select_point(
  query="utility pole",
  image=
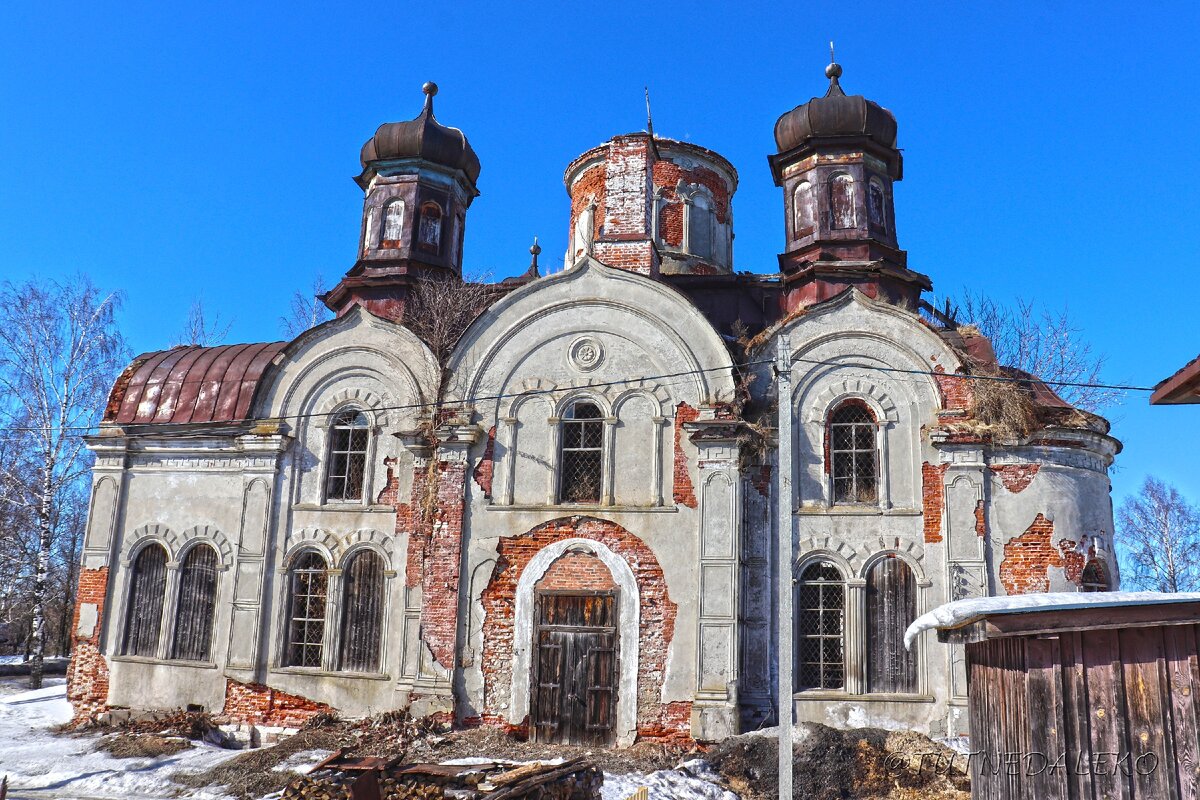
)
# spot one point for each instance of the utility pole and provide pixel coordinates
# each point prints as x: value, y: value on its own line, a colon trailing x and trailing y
x: 783, y: 400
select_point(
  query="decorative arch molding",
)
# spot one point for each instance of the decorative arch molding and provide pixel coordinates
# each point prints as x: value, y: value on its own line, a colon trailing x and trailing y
x: 207, y: 533
x: 833, y: 548
x: 654, y: 392
x: 320, y: 540
x: 365, y: 538
x: 613, y: 396
x: 152, y: 532
x: 906, y: 550
x: 361, y: 398
x: 628, y: 611
x: 860, y: 388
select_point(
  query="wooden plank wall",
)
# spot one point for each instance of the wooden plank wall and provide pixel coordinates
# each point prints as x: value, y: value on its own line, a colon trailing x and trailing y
x: 1086, y: 715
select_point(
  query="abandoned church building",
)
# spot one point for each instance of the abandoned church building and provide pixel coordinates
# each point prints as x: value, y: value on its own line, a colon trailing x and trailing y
x: 563, y: 521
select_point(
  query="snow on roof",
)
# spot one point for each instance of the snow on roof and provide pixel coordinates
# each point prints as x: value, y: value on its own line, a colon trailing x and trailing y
x: 963, y: 612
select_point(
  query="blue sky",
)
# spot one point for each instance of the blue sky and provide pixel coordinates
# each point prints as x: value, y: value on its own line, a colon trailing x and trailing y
x: 177, y: 151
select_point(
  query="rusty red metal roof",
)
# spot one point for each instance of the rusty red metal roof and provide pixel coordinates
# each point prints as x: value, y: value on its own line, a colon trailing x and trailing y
x: 190, y: 384
x: 1182, y: 387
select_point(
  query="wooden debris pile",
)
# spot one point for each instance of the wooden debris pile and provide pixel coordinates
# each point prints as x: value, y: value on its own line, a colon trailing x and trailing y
x: 341, y: 777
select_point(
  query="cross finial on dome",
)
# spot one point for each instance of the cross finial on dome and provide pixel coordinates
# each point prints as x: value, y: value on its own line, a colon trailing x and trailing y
x: 833, y: 72
x: 430, y: 89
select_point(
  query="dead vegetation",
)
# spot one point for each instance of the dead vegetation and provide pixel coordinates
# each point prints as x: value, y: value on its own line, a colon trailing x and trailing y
x: 135, y: 745
x: 252, y: 774
x: 831, y: 764
x: 1002, y: 408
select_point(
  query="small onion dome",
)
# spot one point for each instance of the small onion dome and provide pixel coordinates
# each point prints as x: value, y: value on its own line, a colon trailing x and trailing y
x: 835, y: 114
x: 425, y: 138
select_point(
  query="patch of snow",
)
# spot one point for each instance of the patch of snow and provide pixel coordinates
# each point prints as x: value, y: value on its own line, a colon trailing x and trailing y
x: 17, y: 659
x: 856, y: 716
x: 799, y: 732
x: 691, y: 780
x: 959, y: 744
x: 961, y: 612
x: 303, y: 761
x: 68, y: 766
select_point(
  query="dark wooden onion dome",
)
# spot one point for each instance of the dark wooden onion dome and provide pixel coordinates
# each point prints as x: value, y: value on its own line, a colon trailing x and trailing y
x: 424, y: 138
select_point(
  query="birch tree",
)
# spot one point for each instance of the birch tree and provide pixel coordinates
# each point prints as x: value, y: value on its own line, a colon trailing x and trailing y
x: 1159, y: 531
x: 306, y: 310
x: 60, y: 351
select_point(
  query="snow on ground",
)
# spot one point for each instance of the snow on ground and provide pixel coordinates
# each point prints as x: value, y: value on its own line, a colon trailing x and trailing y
x: 41, y: 764
x: 960, y: 612
x: 691, y: 780
x: 303, y: 761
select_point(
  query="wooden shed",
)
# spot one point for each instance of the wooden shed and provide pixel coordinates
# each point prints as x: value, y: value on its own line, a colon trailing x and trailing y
x: 1081, y: 697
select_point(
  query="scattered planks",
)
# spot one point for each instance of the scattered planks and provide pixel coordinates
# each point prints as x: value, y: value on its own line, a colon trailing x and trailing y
x: 341, y: 777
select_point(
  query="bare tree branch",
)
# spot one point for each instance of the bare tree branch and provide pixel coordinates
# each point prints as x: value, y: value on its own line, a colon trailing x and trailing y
x: 1159, y: 531
x: 200, y: 331
x: 306, y: 310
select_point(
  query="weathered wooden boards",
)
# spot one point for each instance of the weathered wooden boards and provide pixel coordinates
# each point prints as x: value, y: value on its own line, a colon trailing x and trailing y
x: 1086, y: 712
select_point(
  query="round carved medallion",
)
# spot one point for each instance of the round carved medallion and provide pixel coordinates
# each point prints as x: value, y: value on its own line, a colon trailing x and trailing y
x: 585, y: 354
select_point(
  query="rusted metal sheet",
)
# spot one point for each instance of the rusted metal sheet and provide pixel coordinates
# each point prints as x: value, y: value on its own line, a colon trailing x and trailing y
x: 191, y: 384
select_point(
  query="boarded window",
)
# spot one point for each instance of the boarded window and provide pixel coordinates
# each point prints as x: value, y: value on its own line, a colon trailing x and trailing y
x: 820, y: 615
x: 841, y: 202
x: 891, y: 608
x: 393, y: 221
x: 369, y: 229
x: 147, y: 587
x: 308, y: 581
x: 429, y: 234
x: 1094, y: 578
x: 348, y: 439
x: 876, y: 206
x: 362, y: 621
x: 853, y: 454
x: 802, y: 208
x: 700, y: 227
x: 582, y: 464
x: 197, y: 601
x: 581, y: 239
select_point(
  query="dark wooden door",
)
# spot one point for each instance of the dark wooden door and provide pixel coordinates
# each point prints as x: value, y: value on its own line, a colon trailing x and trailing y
x: 575, y: 668
x: 891, y: 608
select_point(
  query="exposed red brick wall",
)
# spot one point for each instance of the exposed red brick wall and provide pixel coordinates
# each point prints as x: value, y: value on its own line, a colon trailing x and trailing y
x: 487, y: 465
x: 87, y: 674
x: 980, y: 519
x: 683, y: 490
x: 589, y: 185
x: 257, y: 704
x: 760, y: 479
x: 670, y: 224
x: 955, y: 391
x: 578, y: 571
x: 1016, y: 477
x: 667, y: 175
x: 1029, y: 557
x: 657, y: 628
x: 1073, y: 561
x: 933, y: 500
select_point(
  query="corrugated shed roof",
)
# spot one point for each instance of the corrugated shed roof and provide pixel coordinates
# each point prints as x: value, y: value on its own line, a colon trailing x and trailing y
x: 190, y: 384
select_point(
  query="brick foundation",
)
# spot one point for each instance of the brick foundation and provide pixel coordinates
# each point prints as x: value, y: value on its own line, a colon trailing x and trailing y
x: 933, y: 500
x: 655, y: 719
x: 87, y: 674
x: 683, y: 491
x: 257, y: 704
x: 1029, y: 557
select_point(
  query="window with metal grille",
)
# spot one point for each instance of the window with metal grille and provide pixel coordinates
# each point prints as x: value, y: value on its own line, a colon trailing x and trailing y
x: 853, y: 453
x: 308, y: 581
x: 581, y: 466
x: 393, y: 221
x: 147, y: 588
x: 362, y: 619
x: 348, y: 439
x: 429, y: 232
x: 820, y: 615
x: 1094, y: 578
x: 197, y: 600
x: 891, y: 608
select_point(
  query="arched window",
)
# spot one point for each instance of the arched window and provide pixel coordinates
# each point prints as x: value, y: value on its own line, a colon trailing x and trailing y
x: 393, y: 221
x: 362, y: 620
x: 581, y: 463
x: 820, y: 621
x: 876, y: 204
x: 802, y: 209
x: 700, y: 224
x: 1094, y: 578
x: 147, y: 588
x: 308, y: 581
x: 197, y: 601
x: 429, y: 234
x: 348, y: 439
x: 891, y: 608
x: 853, y: 453
x: 841, y: 202
x: 369, y: 229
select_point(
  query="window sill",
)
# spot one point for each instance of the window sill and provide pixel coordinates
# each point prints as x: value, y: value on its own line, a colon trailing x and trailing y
x: 321, y: 673
x: 369, y: 507
x: 572, y: 507
x: 856, y: 511
x: 165, y: 662
x: 877, y: 697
